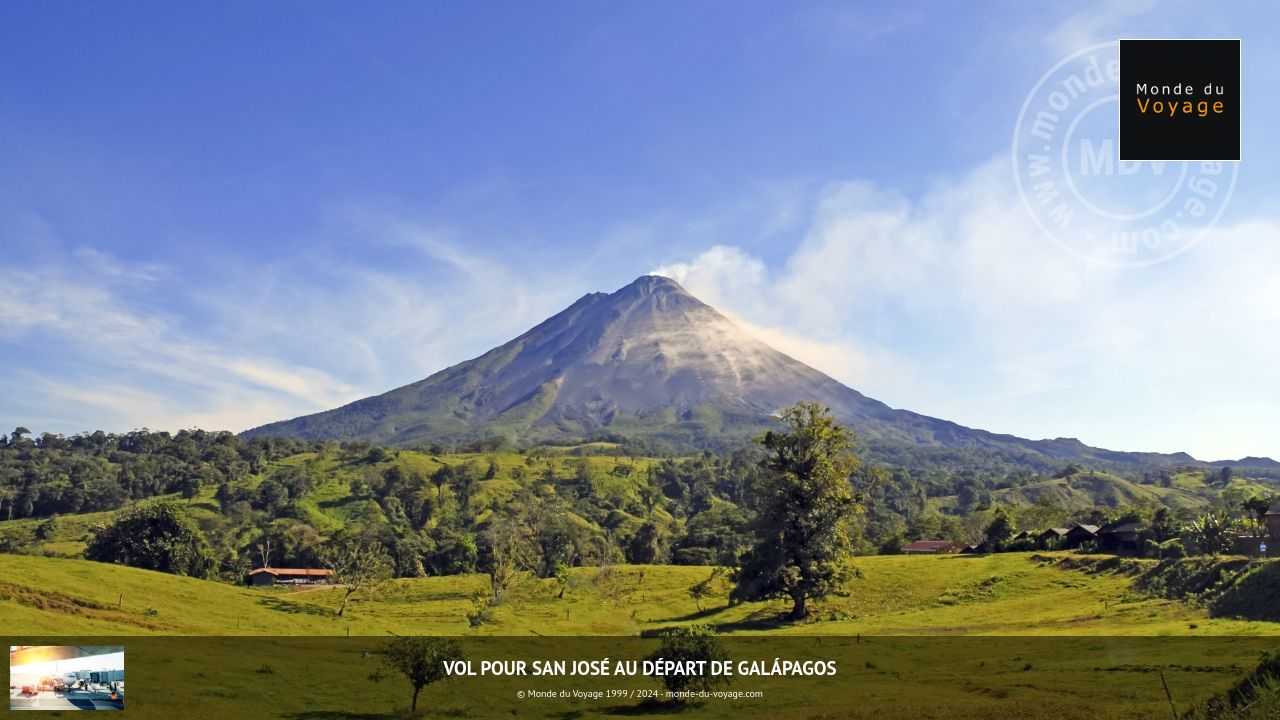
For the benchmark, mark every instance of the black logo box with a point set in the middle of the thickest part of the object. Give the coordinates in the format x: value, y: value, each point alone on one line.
x: 1158, y: 74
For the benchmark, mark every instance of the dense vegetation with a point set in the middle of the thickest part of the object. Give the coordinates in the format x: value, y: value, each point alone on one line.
x: 450, y: 510
x: 57, y: 475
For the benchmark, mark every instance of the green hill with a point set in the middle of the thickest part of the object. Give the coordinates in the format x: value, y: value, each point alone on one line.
x: 1087, y: 489
x: 600, y: 496
x: 334, y: 500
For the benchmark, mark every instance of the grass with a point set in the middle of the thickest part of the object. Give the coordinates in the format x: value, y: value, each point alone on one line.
x: 1008, y: 594
x: 1029, y: 635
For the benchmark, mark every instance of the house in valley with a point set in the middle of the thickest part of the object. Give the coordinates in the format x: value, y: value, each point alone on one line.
x: 1115, y: 537
x: 1080, y: 534
x: 1052, y: 539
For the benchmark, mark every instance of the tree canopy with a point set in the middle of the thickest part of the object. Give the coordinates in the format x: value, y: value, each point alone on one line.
x: 153, y: 536
x: 806, y: 501
x: 360, y: 565
x: 421, y: 660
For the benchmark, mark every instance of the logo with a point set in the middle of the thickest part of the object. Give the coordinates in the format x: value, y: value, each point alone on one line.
x: 1180, y: 99
x: 1066, y: 162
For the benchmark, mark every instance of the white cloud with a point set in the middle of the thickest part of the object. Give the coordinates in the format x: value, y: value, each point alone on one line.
x: 721, y: 269
x: 956, y: 305
x: 112, y: 344
x: 87, y: 318
x: 952, y: 304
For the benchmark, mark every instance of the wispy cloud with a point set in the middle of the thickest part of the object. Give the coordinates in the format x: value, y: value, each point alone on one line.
x: 110, y: 347
x: 956, y: 305
x: 90, y: 319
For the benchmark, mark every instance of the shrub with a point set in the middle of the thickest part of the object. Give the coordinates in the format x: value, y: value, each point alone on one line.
x: 694, y: 642
x: 1174, y: 548
x: 1150, y: 548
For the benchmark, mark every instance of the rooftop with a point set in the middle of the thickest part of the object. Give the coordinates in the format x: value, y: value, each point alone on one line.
x: 930, y: 544
x: 1125, y: 528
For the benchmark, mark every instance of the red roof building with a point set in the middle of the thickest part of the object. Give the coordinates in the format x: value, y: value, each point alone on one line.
x: 290, y: 576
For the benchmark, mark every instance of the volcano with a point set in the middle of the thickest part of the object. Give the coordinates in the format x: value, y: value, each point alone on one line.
x: 649, y: 361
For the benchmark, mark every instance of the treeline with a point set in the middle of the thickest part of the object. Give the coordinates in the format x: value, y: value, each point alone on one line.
x: 53, y: 474
x: 573, y: 510
x: 565, y: 512
x: 899, y: 516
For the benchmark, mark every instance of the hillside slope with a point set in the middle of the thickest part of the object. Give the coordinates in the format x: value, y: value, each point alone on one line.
x: 1007, y: 594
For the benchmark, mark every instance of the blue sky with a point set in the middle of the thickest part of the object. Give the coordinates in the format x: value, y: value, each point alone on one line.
x: 232, y: 214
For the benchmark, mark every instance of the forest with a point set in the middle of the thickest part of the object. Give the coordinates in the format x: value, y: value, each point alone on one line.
x: 439, y: 510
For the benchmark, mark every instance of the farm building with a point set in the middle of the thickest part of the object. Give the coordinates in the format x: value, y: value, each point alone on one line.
x: 1273, y: 520
x: 1124, y: 536
x: 934, y: 547
x: 1052, y: 538
x: 1079, y: 535
x: 290, y: 576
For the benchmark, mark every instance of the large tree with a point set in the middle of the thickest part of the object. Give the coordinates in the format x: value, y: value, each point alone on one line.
x: 805, y: 503
x: 153, y: 536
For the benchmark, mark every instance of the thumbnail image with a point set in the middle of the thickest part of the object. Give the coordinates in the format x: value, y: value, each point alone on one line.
x: 66, y: 677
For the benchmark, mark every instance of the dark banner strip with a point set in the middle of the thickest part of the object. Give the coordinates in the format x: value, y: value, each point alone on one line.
x: 297, y: 678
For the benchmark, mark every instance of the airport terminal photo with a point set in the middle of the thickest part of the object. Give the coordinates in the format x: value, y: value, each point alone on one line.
x: 66, y: 677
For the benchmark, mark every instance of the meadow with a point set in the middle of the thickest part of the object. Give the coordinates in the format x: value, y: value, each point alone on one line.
x: 1002, y: 594
x: 1009, y: 635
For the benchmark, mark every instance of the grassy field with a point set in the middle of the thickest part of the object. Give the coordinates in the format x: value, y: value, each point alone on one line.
x: 1015, y: 635
x: 1007, y: 594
